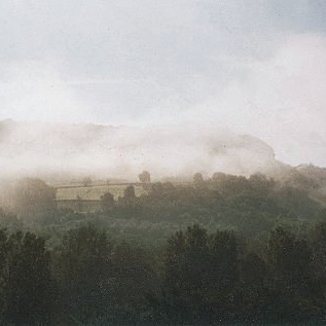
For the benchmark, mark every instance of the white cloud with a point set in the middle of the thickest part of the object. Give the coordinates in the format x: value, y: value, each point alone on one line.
x: 255, y: 67
x: 280, y: 99
x: 35, y: 91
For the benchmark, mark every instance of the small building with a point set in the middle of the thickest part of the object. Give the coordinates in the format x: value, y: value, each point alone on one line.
x: 87, y: 199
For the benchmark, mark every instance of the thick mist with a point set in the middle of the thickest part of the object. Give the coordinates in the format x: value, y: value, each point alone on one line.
x: 40, y: 149
x: 256, y: 67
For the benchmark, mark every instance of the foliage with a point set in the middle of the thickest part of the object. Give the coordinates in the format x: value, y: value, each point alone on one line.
x: 26, y: 285
x: 225, y: 250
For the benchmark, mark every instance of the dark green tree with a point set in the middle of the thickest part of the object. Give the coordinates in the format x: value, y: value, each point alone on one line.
x: 133, y: 280
x: 107, y: 202
x: 33, y: 198
x: 252, y: 292
x: 198, y: 180
x: 295, y: 292
x: 129, y: 194
x: 201, y: 272
x: 83, y: 268
x: 28, y: 289
x: 144, y: 177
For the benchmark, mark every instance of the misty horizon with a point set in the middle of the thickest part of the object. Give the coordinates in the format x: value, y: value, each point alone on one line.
x: 162, y: 162
x: 254, y: 68
x: 31, y: 149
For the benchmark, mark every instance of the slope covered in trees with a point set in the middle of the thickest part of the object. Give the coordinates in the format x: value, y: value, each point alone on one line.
x: 223, y: 250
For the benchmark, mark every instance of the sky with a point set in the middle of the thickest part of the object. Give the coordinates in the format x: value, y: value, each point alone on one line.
x: 253, y: 66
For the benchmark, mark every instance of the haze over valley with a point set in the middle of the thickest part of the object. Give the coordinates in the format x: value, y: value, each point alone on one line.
x: 162, y: 162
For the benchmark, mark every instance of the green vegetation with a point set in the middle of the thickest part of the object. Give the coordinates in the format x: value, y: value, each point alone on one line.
x: 227, y: 250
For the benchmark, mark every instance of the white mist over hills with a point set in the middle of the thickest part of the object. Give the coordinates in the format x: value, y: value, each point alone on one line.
x: 40, y: 149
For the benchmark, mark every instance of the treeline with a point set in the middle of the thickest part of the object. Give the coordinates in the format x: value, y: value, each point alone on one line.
x: 198, y: 278
x: 252, y: 206
x: 248, y: 205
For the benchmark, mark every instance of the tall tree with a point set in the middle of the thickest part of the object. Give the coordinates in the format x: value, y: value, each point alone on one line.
x: 201, y: 272
x: 144, y: 177
x: 133, y: 281
x: 293, y: 286
x: 83, y: 272
x: 28, y: 285
x: 129, y: 194
x: 34, y: 198
x: 107, y: 202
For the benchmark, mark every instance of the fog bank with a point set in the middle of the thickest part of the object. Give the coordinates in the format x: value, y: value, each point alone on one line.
x: 37, y: 149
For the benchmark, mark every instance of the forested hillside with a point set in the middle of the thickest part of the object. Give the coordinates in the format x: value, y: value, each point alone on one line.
x: 227, y: 249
